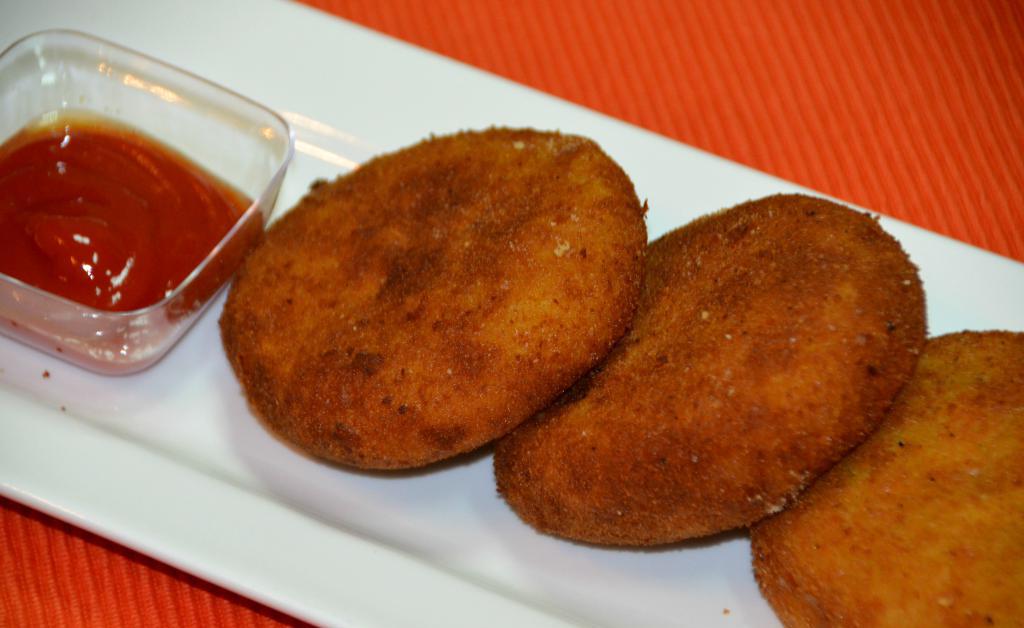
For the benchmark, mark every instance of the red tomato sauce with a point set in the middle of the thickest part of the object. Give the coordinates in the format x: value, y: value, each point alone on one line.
x: 103, y: 215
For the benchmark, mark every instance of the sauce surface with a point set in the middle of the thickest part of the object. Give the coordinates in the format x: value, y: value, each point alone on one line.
x: 103, y: 215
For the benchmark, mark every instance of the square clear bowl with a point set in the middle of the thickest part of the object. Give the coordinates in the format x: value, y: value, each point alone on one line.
x: 241, y: 142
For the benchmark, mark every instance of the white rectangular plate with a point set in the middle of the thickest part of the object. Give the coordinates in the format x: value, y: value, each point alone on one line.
x: 172, y: 463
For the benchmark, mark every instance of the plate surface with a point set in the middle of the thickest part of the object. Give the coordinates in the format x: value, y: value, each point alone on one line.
x: 172, y: 463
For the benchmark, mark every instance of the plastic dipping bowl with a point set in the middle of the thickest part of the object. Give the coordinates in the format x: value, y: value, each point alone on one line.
x: 244, y: 144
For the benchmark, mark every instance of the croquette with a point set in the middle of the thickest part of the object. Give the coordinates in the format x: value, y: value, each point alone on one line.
x: 769, y: 340
x: 923, y: 524
x: 436, y: 297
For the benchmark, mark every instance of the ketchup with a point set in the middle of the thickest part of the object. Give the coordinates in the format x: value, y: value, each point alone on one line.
x: 100, y: 214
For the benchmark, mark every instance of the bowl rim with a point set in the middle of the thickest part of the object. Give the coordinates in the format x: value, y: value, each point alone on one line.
x: 243, y: 218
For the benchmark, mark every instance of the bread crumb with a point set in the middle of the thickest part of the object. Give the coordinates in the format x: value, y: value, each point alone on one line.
x: 705, y: 315
x: 518, y: 145
x: 561, y: 248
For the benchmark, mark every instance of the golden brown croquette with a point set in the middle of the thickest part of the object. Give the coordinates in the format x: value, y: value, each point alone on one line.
x: 433, y: 299
x: 769, y: 340
x: 923, y: 524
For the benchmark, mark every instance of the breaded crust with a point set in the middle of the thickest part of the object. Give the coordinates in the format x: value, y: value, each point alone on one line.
x: 923, y: 524
x: 433, y: 299
x: 769, y: 340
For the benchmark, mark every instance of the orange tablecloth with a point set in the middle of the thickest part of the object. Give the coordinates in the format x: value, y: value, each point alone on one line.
x: 911, y: 109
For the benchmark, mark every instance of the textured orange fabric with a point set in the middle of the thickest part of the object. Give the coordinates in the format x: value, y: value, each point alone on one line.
x: 912, y: 109
x: 53, y: 574
x: 909, y: 108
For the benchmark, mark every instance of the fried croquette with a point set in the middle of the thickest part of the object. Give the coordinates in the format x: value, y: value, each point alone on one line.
x: 923, y: 524
x: 769, y: 340
x: 433, y: 299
